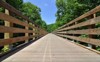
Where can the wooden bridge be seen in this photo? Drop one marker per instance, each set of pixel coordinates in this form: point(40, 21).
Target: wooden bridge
point(65, 44)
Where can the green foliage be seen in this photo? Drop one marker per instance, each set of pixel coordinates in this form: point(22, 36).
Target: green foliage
point(51, 27)
point(1, 9)
point(5, 49)
point(98, 48)
point(84, 36)
point(44, 25)
point(71, 9)
point(16, 4)
point(33, 12)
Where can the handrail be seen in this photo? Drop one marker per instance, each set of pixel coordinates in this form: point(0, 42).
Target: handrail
point(93, 11)
point(15, 11)
point(30, 29)
point(88, 22)
point(75, 29)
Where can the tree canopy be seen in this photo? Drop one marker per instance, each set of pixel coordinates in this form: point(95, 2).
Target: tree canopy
point(33, 12)
point(68, 10)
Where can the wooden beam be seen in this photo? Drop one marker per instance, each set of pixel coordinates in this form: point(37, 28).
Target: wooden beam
point(85, 23)
point(12, 9)
point(93, 11)
point(13, 40)
point(95, 31)
point(11, 19)
point(86, 40)
point(4, 29)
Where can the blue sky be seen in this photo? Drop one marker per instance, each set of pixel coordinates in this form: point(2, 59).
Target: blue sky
point(48, 9)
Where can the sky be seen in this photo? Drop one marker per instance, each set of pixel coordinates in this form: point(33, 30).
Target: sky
point(48, 9)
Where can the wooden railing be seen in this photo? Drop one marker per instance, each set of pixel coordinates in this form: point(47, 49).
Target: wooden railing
point(83, 28)
point(15, 22)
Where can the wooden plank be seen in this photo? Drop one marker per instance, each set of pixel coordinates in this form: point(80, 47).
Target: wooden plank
point(13, 20)
point(13, 40)
point(93, 11)
point(88, 22)
point(95, 31)
point(86, 40)
point(4, 29)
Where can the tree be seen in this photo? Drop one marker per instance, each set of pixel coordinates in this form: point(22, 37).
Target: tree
point(33, 12)
point(71, 9)
point(16, 4)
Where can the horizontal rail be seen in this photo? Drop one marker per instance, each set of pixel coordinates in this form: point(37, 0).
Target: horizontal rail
point(11, 19)
point(88, 22)
point(13, 40)
point(5, 29)
point(86, 40)
point(93, 11)
point(12, 9)
point(87, 27)
point(95, 31)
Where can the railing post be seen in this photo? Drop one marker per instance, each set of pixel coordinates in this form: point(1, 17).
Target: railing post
point(7, 35)
point(34, 32)
point(94, 46)
point(74, 34)
point(91, 36)
point(38, 32)
point(26, 34)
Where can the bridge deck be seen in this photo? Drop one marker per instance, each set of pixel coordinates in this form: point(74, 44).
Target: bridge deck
point(52, 48)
